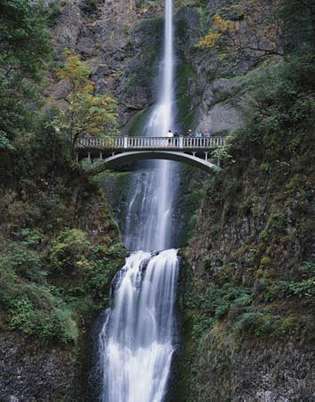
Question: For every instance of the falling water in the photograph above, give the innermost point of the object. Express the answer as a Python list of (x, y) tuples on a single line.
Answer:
[(150, 212), (136, 343), (136, 340)]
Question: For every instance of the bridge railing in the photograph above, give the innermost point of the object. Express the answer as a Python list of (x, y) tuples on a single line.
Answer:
[(152, 142)]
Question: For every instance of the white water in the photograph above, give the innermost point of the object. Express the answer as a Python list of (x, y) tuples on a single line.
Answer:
[(137, 336), (136, 343)]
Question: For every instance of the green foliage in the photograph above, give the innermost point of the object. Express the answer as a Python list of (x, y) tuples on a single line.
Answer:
[(29, 237), (48, 306), (281, 103), (4, 142), (214, 304), (298, 27), (27, 299), (54, 11), (309, 267), (25, 49), (265, 323), (222, 154), (24, 38), (255, 323), (23, 261), (303, 289), (52, 324), (69, 251)]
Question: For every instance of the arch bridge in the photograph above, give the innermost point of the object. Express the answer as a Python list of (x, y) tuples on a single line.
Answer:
[(113, 152)]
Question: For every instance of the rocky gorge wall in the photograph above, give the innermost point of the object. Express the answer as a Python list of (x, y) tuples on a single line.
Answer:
[(119, 42), (247, 323)]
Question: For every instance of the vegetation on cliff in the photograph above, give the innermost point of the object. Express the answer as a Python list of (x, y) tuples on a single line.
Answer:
[(59, 247), (264, 195), (84, 111), (251, 273)]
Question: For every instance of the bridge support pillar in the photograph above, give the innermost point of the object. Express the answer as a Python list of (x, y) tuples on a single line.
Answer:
[(89, 156), (101, 155), (206, 156)]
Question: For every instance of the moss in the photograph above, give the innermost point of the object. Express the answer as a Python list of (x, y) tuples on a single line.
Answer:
[(137, 122), (185, 113), (145, 69), (59, 250), (265, 262)]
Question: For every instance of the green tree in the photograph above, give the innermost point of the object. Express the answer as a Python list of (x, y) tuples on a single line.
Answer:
[(24, 51), (85, 113), (298, 20)]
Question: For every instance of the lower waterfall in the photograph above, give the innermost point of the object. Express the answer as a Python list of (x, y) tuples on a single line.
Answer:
[(136, 343)]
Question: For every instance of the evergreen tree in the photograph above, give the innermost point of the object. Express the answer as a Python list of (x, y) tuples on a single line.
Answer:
[(24, 50)]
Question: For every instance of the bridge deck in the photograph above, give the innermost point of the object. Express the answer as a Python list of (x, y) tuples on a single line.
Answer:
[(123, 144)]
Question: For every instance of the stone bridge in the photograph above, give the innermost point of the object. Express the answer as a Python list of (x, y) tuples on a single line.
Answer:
[(112, 152)]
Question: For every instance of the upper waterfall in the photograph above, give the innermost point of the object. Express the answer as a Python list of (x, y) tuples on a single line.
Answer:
[(149, 223), (166, 97)]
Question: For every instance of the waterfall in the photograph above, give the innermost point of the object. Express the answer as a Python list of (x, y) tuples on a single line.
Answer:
[(136, 342)]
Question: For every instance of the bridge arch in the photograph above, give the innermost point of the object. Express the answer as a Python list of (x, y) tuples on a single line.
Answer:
[(117, 160)]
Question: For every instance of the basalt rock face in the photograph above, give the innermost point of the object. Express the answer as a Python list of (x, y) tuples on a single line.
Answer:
[(256, 372), (212, 103), (31, 372), (120, 41)]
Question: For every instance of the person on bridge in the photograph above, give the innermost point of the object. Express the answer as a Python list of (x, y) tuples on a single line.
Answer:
[(170, 135)]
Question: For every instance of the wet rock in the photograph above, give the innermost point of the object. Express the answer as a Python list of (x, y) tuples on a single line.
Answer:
[(67, 30), (59, 90), (222, 117), (31, 372)]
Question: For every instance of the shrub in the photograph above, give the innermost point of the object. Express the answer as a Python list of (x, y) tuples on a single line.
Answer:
[(284, 289), (23, 261), (69, 251), (256, 323), (55, 323)]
